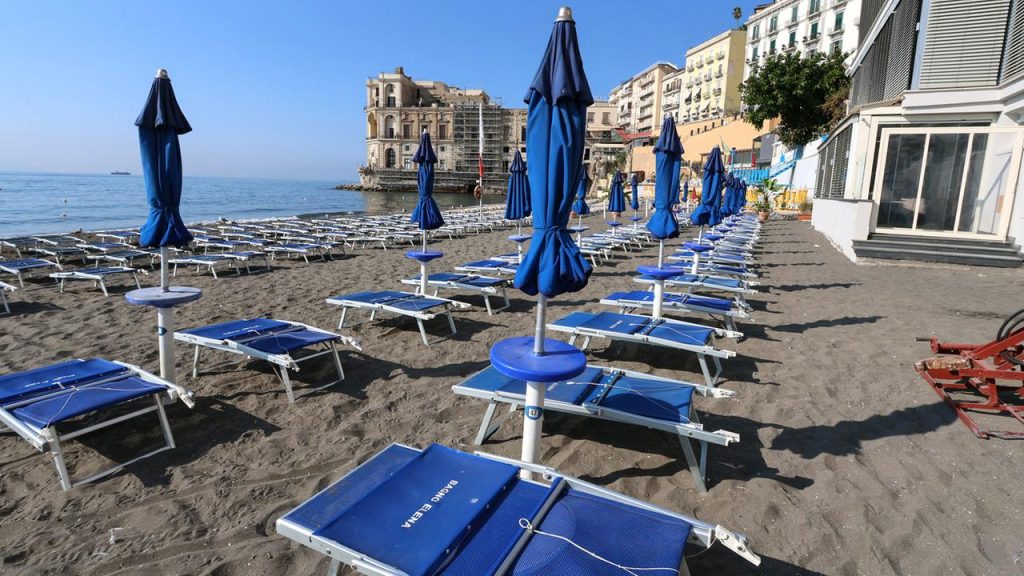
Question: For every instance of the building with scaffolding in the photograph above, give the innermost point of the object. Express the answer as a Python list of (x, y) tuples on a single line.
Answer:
[(399, 108)]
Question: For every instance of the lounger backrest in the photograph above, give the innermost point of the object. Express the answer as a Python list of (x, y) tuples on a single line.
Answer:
[(235, 329), (22, 385), (612, 322)]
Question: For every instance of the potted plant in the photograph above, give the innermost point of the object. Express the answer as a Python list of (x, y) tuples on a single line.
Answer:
[(805, 211), (766, 194)]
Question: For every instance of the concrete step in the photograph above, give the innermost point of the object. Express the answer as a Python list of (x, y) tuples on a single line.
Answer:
[(869, 249)]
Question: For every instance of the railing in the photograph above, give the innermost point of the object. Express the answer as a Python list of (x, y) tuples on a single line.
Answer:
[(720, 55), (718, 74), (836, 30), (792, 23)]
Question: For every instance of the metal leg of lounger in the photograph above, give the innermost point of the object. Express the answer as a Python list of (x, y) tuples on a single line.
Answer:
[(287, 381), (61, 289), (718, 367), (691, 461), (730, 323), (334, 567), (103, 286), (3, 300), (195, 363), (486, 430), (586, 342), (708, 379), (572, 340), (423, 331), (58, 458), (337, 362), (165, 426), (487, 304), (451, 321), (135, 277), (341, 323)]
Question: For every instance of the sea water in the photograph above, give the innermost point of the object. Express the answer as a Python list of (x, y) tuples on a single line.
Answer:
[(36, 203)]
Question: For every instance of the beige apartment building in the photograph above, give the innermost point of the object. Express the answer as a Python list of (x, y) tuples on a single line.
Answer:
[(638, 102), (398, 108), (709, 88), (603, 139)]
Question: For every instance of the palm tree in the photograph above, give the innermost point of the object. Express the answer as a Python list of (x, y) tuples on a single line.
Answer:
[(737, 13)]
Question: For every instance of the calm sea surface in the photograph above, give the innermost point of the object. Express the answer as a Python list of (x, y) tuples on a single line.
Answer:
[(46, 203)]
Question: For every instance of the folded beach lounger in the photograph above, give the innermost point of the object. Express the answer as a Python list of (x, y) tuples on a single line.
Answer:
[(33, 403), (409, 304), (105, 246), (280, 342), (234, 260), (611, 394), (19, 245), (734, 287), (97, 275), (713, 257), (674, 334), (489, 265), (4, 289), (722, 309), (123, 236), (26, 266), (483, 285), (442, 512)]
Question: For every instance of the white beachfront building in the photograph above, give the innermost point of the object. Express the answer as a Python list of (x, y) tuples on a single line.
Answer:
[(927, 165), (802, 26)]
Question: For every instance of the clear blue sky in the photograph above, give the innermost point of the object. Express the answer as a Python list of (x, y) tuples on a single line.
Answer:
[(277, 89)]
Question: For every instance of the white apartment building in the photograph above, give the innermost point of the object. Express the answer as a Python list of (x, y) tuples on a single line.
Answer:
[(802, 26), (638, 101)]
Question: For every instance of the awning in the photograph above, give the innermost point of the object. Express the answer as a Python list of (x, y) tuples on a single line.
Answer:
[(704, 108), (689, 96)]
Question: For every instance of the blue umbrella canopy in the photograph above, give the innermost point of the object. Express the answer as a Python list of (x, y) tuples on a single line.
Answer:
[(517, 203), (634, 198), (580, 206), (668, 153), (727, 195), (617, 196), (685, 191), (555, 133), (708, 212), (735, 203), (160, 124), (743, 195), (426, 214)]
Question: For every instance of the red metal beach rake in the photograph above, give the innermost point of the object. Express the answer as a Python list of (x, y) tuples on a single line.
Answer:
[(986, 378)]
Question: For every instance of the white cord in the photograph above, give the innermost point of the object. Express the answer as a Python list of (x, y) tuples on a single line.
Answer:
[(632, 570)]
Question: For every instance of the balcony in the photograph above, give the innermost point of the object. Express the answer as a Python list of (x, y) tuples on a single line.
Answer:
[(836, 30), (689, 67), (813, 38), (792, 23), (698, 81), (716, 91), (700, 62), (720, 55), (789, 47), (718, 74), (689, 83), (673, 88), (836, 3), (707, 76), (668, 105)]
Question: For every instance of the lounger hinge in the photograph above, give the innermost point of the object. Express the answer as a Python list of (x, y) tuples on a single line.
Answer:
[(737, 544)]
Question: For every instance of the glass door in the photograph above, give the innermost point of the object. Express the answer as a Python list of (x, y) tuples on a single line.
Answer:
[(947, 181)]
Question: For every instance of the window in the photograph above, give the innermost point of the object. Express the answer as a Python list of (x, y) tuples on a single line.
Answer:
[(773, 24), (839, 21), (754, 54), (406, 148), (771, 47), (815, 7), (441, 164), (522, 133), (389, 158), (441, 148), (590, 117), (505, 149), (406, 130), (792, 39), (795, 15), (390, 91), (389, 126), (606, 118), (407, 164), (442, 133), (814, 30), (837, 46), (756, 32)]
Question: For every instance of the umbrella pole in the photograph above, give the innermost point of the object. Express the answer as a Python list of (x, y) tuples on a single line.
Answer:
[(696, 254), (423, 268), (165, 324), (164, 280), (533, 411), (661, 253)]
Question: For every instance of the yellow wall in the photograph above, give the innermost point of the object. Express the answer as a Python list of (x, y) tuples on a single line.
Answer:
[(736, 134)]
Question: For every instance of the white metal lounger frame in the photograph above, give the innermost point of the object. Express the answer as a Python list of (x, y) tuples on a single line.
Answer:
[(234, 262), (485, 291), (281, 362), (49, 439), (737, 294), (4, 287), (21, 276), (702, 534), (97, 279), (419, 316), (317, 250), (702, 352), (728, 317), (683, 431)]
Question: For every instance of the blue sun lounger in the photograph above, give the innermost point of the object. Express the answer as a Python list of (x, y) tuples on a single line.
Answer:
[(401, 303), (674, 334), (34, 402), (276, 341), (127, 257), (442, 512), (489, 265), (97, 275), (734, 287), (25, 267), (4, 289), (234, 260), (483, 285), (611, 394), (718, 308)]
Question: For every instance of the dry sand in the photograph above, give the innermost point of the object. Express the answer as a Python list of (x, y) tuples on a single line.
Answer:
[(848, 464)]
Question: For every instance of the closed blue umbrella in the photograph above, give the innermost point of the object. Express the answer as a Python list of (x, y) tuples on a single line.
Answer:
[(634, 198), (668, 152), (686, 194), (727, 195), (580, 207), (160, 124), (743, 195), (708, 212), (737, 196), (617, 196), (517, 204), (426, 214), (555, 134)]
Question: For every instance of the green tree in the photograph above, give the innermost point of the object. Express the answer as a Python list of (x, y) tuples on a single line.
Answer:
[(737, 13), (805, 94)]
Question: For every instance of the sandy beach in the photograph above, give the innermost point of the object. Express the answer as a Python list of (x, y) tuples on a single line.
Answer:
[(848, 463)]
